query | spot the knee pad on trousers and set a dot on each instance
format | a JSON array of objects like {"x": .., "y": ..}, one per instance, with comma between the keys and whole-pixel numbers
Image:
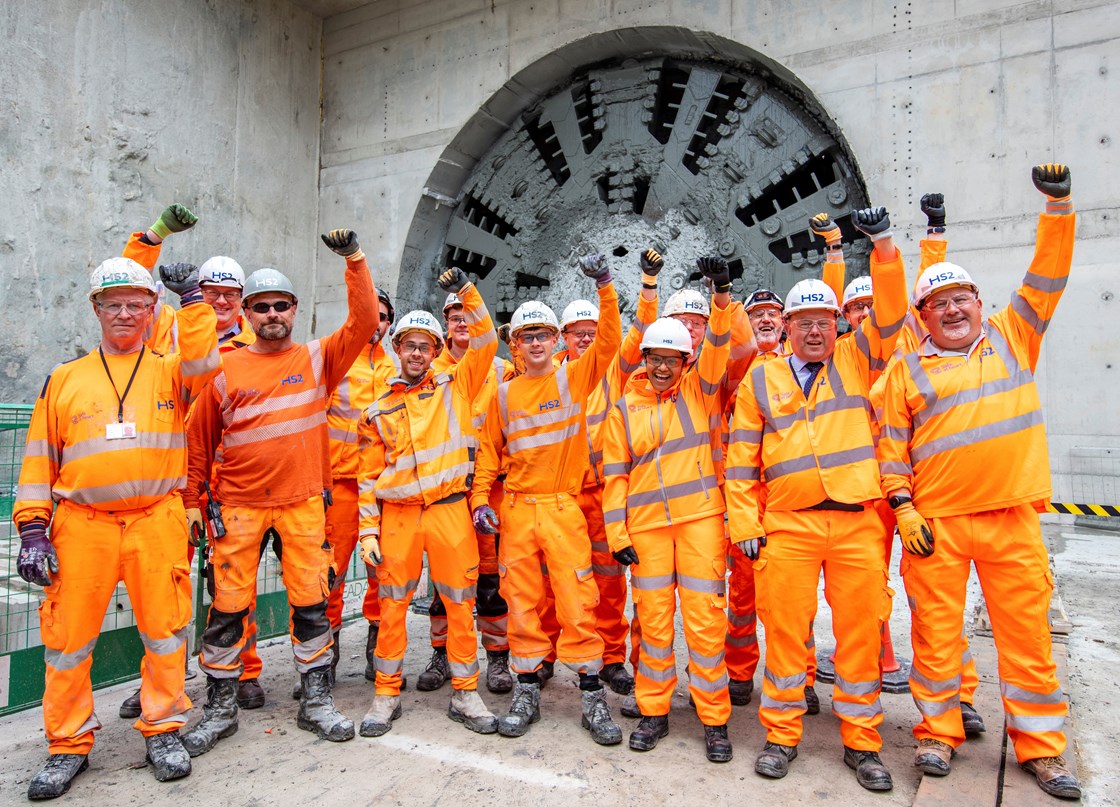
[
  {"x": 224, "y": 629},
  {"x": 309, "y": 621},
  {"x": 490, "y": 601},
  {"x": 437, "y": 608}
]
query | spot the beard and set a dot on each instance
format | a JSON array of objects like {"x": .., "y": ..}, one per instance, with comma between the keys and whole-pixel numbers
[{"x": 273, "y": 331}]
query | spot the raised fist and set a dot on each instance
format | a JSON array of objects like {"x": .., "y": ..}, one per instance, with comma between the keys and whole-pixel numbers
[
  {"x": 1052, "y": 179},
  {"x": 179, "y": 277},
  {"x": 825, "y": 227},
  {"x": 933, "y": 205},
  {"x": 595, "y": 266},
  {"x": 872, "y": 222},
  {"x": 651, "y": 262},
  {"x": 453, "y": 280},
  {"x": 715, "y": 269},
  {"x": 341, "y": 242},
  {"x": 505, "y": 333}
]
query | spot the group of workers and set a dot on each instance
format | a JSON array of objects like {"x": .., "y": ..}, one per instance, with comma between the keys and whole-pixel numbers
[{"x": 723, "y": 454}]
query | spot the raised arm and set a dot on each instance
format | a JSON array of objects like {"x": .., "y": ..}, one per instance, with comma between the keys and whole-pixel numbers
[{"x": 342, "y": 347}]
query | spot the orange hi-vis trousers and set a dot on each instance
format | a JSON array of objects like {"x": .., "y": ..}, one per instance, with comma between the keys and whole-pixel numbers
[
  {"x": 96, "y": 550},
  {"x": 741, "y": 644},
  {"x": 610, "y": 577},
  {"x": 848, "y": 546},
  {"x": 306, "y": 563},
  {"x": 444, "y": 531},
  {"x": 687, "y": 560},
  {"x": 548, "y": 529},
  {"x": 342, "y": 533},
  {"x": 1014, "y": 572}
]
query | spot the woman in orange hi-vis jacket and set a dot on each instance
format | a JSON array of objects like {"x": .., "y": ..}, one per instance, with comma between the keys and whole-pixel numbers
[
  {"x": 966, "y": 400},
  {"x": 802, "y": 480},
  {"x": 536, "y": 424},
  {"x": 104, "y": 469},
  {"x": 664, "y": 514}
]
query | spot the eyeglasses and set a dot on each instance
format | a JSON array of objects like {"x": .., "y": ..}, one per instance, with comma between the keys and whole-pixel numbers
[
  {"x": 581, "y": 334},
  {"x": 212, "y": 295},
  {"x": 536, "y": 336},
  {"x": 858, "y": 305},
  {"x": 669, "y": 362},
  {"x": 280, "y": 305},
  {"x": 821, "y": 325},
  {"x": 764, "y": 313},
  {"x": 456, "y": 319},
  {"x": 959, "y": 300},
  {"x": 385, "y": 317},
  {"x": 412, "y": 347},
  {"x": 115, "y": 309}
]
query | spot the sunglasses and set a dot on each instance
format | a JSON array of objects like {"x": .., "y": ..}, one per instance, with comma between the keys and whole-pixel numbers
[{"x": 280, "y": 305}]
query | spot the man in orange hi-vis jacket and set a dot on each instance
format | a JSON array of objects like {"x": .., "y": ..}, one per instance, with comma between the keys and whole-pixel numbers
[
  {"x": 966, "y": 399},
  {"x": 536, "y": 424},
  {"x": 104, "y": 470},
  {"x": 267, "y": 410},
  {"x": 802, "y": 480}
]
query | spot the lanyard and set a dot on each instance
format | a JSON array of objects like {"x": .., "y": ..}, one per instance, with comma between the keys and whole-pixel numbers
[{"x": 128, "y": 386}]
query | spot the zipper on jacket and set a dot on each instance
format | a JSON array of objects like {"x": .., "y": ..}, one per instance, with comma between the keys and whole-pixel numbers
[
  {"x": 703, "y": 484},
  {"x": 657, "y": 461}
]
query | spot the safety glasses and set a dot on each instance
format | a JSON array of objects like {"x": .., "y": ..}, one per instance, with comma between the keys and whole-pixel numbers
[{"x": 280, "y": 306}]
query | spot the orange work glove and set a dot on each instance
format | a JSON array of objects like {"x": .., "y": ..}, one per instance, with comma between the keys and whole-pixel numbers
[{"x": 917, "y": 537}]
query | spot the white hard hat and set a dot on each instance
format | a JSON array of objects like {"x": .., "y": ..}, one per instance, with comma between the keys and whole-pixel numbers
[
  {"x": 667, "y": 333},
  {"x": 265, "y": 280},
  {"x": 221, "y": 271},
  {"x": 858, "y": 289},
  {"x": 533, "y": 314},
  {"x": 687, "y": 301},
  {"x": 452, "y": 300},
  {"x": 579, "y": 311},
  {"x": 120, "y": 273},
  {"x": 761, "y": 297},
  {"x": 942, "y": 275},
  {"x": 420, "y": 321},
  {"x": 811, "y": 295}
]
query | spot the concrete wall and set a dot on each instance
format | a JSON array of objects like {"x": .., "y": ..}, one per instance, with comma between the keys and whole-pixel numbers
[
  {"x": 956, "y": 97},
  {"x": 112, "y": 110}
]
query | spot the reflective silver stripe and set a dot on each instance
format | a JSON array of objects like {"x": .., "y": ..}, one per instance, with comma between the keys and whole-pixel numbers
[
  {"x": 525, "y": 663},
  {"x": 742, "y": 641},
  {"x": 1021, "y": 307},
  {"x": 742, "y": 620},
  {"x": 272, "y": 405},
  {"x": 427, "y": 482},
  {"x": 857, "y": 688},
  {"x": 315, "y": 353},
  {"x": 653, "y": 651},
  {"x": 921, "y": 379},
  {"x": 850, "y": 456},
  {"x": 787, "y": 467},
  {"x": 901, "y": 434},
  {"x": 305, "y": 651},
  {"x": 936, "y": 708},
  {"x": 547, "y": 418},
  {"x": 196, "y": 367},
  {"x": 1047, "y": 285},
  {"x": 969, "y": 437},
  {"x": 701, "y": 485},
  {"x": 782, "y": 706},
  {"x": 1036, "y": 724},
  {"x": 704, "y": 685},
  {"x": 846, "y": 709},
  {"x": 966, "y": 656},
  {"x": 388, "y": 666},
  {"x": 1012, "y": 692},
  {"x": 180, "y": 719},
  {"x": 742, "y": 473},
  {"x": 600, "y": 546},
  {"x": 616, "y": 570},
  {"x": 39, "y": 448},
  {"x": 388, "y": 592},
  {"x": 841, "y": 403},
  {"x": 272, "y": 431},
  {"x": 946, "y": 685},
  {"x": 134, "y": 488},
  {"x": 995, "y": 386},
  {"x": 863, "y": 343},
  {"x": 752, "y": 436},
  {"x": 341, "y": 436},
  {"x": 543, "y": 439},
  {"x": 700, "y": 585},
  {"x": 583, "y": 572},
  {"x": 155, "y": 441},
  {"x": 616, "y": 468},
  {"x": 344, "y": 408},
  {"x": 705, "y": 661},
  {"x": 214, "y": 657},
  {"x": 669, "y": 674},
  {"x": 616, "y": 516},
  {"x": 27, "y": 492},
  {"x": 900, "y": 468},
  {"x": 457, "y": 595},
  {"x": 399, "y": 492},
  {"x": 58, "y": 660},
  {"x": 464, "y": 670},
  {"x": 652, "y": 583},
  {"x": 483, "y": 339},
  {"x": 165, "y": 647},
  {"x": 596, "y": 419},
  {"x": 685, "y": 443},
  {"x": 795, "y": 681}
]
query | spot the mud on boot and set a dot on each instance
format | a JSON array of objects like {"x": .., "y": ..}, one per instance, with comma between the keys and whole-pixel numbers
[
  {"x": 498, "y": 678},
  {"x": 382, "y": 712},
  {"x": 371, "y": 648},
  {"x": 597, "y": 718},
  {"x": 219, "y": 717},
  {"x": 648, "y": 732},
  {"x": 317, "y": 712},
  {"x": 467, "y": 708},
  {"x": 436, "y": 673},
  {"x": 54, "y": 778},
  {"x": 167, "y": 756},
  {"x": 524, "y": 710},
  {"x": 617, "y": 677},
  {"x": 740, "y": 691},
  {"x": 716, "y": 745},
  {"x": 250, "y": 694}
]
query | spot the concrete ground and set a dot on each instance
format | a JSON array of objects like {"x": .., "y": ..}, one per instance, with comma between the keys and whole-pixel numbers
[{"x": 427, "y": 759}]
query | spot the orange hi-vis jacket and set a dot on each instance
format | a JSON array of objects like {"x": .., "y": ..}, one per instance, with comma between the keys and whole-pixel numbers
[
  {"x": 268, "y": 411},
  {"x": 417, "y": 442},
  {"x": 537, "y": 423},
  {"x": 365, "y": 381},
  {"x": 816, "y": 449},
  {"x": 657, "y": 451},
  {"x": 965, "y": 433},
  {"x": 69, "y": 455},
  {"x": 500, "y": 370}
]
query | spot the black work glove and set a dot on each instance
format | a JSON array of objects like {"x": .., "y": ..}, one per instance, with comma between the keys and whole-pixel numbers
[
  {"x": 453, "y": 280},
  {"x": 651, "y": 262},
  {"x": 933, "y": 205},
  {"x": 37, "y": 558},
  {"x": 595, "y": 267},
  {"x": 626, "y": 556},
  {"x": 752, "y": 548},
  {"x": 181, "y": 278},
  {"x": 341, "y": 242},
  {"x": 715, "y": 269},
  {"x": 873, "y": 222},
  {"x": 1053, "y": 179}
]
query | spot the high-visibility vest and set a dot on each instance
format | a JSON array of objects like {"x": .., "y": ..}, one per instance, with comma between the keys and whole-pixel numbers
[{"x": 365, "y": 381}]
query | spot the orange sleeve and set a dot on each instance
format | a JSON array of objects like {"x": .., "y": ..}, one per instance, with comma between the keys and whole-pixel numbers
[
  {"x": 371, "y": 462},
  {"x": 743, "y": 351},
  {"x": 204, "y": 434},
  {"x": 342, "y": 347},
  {"x": 894, "y": 433},
  {"x": 616, "y": 475},
  {"x": 833, "y": 276},
  {"x": 147, "y": 255},
  {"x": 586, "y": 371},
  {"x": 40, "y": 463},
  {"x": 488, "y": 459},
  {"x": 475, "y": 366},
  {"x": 743, "y": 485}
]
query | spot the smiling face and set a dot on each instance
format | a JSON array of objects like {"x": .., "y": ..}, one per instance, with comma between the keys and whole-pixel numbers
[
  {"x": 416, "y": 350},
  {"x": 271, "y": 325},
  {"x": 123, "y": 315},
  {"x": 766, "y": 322},
  {"x": 857, "y": 311},
  {"x": 537, "y": 346},
  {"x": 953, "y": 317},
  {"x": 578, "y": 336},
  {"x": 383, "y": 322},
  {"x": 697, "y": 327},
  {"x": 812, "y": 333},
  {"x": 664, "y": 368},
  {"x": 457, "y": 330},
  {"x": 226, "y": 302}
]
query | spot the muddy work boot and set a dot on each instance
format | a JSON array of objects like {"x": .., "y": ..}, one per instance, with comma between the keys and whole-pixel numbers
[
  {"x": 648, "y": 732},
  {"x": 1054, "y": 776},
  {"x": 717, "y": 747},
  {"x": 219, "y": 717},
  {"x": 773, "y": 760},
  {"x": 436, "y": 673},
  {"x": 524, "y": 710},
  {"x": 317, "y": 712},
  {"x": 597, "y": 718},
  {"x": 740, "y": 691},
  {"x": 498, "y": 679},
  {"x": 167, "y": 756},
  {"x": 467, "y": 708},
  {"x": 629, "y": 707},
  {"x": 871, "y": 773},
  {"x": 382, "y": 712},
  {"x": 973, "y": 722},
  {"x": 933, "y": 757},
  {"x": 250, "y": 694},
  {"x": 130, "y": 707},
  {"x": 54, "y": 778},
  {"x": 546, "y": 672},
  {"x": 371, "y": 648},
  {"x": 617, "y": 678}
]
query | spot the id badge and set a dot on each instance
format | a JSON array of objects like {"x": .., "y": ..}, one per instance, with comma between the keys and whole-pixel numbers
[{"x": 120, "y": 431}]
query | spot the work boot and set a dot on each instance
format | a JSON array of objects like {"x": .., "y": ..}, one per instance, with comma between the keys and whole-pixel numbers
[
  {"x": 773, "y": 760},
  {"x": 597, "y": 718},
  {"x": 932, "y": 757},
  {"x": 812, "y": 702},
  {"x": 250, "y": 694},
  {"x": 219, "y": 717},
  {"x": 336, "y": 654},
  {"x": 973, "y": 722},
  {"x": 498, "y": 679},
  {"x": 740, "y": 691},
  {"x": 545, "y": 673},
  {"x": 648, "y": 732},
  {"x": 617, "y": 678},
  {"x": 317, "y": 712},
  {"x": 1054, "y": 776},
  {"x": 524, "y": 710},
  {"x": 629, "y": 707},
  {"x": 716, "y": 745},
  {"x": 130, "y": 706},
  {"x": 168, "y": 757},
  {"x": 467, "y": 708},
  {"x": 54, "y": 778},
  {"x": 436, "y": 673},
  {"x": 371, "y": 647},
  {"x": 871, "y": 773},
  {"x": 382, "y": 712}
]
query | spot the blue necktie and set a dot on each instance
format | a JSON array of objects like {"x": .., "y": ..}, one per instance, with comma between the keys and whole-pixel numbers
[{"x": 813, "y": 367}]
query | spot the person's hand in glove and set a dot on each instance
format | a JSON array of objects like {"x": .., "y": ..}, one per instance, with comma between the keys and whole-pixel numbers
[
  {"x": 913, "y": 529},
  {"x": 596, "y": 267},
  {"x": 181, "y": 278},
  {"x": 1053, "y": 179},
  {"x": 195, "y": 525},
  {"x": 716, "y": 270},
  {"x": 626, "y": 556},
  {"x": 37, "y": 559},
  {"x": 876, "y": 225},
  {"x": 753, "y": 547},
  {"x": 933, "y": 205},
  {"x": 822, "y": 225},
  {"x": 342, "y": 242},
  {"x": 453, "y": 280},
  {"x": 369, "y": 550},
  {"x": 651, "y": 262},
  {"x": 174, "y": 219},
  {"x": 485, "y": 520}
]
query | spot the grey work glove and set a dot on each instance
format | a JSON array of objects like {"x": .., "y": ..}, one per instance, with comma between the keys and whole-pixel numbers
[
  {"x": 595, "y": 267},
  {"x": 181, "y": 278},
  {"x": 453, "y": 280},
  {"x": 874, "y": 222},
  {"x": 485, "y": 520},
  {"x": 341, "y": 242},
  {"x": 752, "y": 548}
]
